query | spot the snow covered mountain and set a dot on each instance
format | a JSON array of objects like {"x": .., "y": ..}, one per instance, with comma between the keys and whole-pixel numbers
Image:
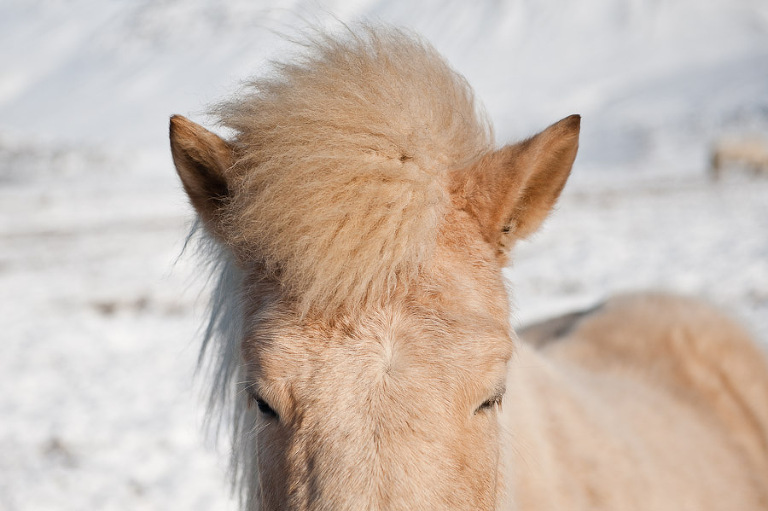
[{"x": 647, "y": 75}]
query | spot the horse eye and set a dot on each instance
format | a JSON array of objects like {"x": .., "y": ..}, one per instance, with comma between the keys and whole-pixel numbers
[
  {"x": 490, "y": 404},
  {"x": 265, "y": 409}
]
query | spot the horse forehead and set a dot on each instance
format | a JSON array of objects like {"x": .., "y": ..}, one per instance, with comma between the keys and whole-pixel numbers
[{"x": 387, "y": 341}]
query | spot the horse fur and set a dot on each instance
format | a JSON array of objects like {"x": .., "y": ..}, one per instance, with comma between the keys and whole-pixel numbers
[{"x": 359, "y": 220}]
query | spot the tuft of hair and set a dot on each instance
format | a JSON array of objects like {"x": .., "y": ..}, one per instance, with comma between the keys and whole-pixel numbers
[
  {"x": 342, "y": 158},
  {"x": 219, "y": 357}
]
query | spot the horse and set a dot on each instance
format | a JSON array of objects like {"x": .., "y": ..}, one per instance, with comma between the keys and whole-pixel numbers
[
  {"x": 746, "y": 153},
  {"x": 359, "y": 216}
]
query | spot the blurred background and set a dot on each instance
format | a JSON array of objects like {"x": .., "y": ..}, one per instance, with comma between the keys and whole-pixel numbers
[{"x": 99, "y": 404}]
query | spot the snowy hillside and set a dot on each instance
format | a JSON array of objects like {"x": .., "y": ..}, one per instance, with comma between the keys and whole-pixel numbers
[
  {"x": 99, "y": 406},
  {"x": 640, "y": 72}
]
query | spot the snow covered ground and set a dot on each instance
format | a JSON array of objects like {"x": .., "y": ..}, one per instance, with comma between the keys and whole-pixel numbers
[{"x": 99, "y": 406}]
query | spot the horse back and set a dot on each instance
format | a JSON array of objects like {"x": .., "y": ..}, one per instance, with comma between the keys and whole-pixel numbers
[{"x": 680, "y": 345}]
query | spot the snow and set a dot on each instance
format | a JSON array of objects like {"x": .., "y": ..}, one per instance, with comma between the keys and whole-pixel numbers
[{"x": 99, "y": 405}]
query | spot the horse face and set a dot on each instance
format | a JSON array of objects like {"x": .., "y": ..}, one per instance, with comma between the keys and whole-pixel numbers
[
  {"x": 393, "y": 407},
  {"x": 391, "y": 404}
]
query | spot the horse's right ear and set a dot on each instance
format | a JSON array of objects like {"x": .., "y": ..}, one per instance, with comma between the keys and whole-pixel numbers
[
  {"x": 201, "y": 160},
  {"x": 511, "y": 191}
]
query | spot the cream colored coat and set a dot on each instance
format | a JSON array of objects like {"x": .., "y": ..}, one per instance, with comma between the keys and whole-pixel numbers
[
  {"x": 659, "y": 396},
  {"x": 362, "y": 217}
]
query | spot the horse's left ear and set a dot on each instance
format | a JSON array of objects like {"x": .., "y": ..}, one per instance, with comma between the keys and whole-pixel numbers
[
  {"x": 201, "y": 160},
  {"x": 511, "y": 191}
]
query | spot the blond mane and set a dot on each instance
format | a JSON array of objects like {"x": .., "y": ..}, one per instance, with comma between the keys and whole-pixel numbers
[{"x": 359, "y": 132}]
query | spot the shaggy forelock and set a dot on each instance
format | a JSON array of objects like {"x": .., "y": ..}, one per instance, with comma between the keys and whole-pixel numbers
[{"x": 339, "y": 187}]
